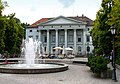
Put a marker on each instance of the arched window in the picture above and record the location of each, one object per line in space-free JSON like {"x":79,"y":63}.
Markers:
{"x":88,"y":38}
{"x":30,"y":30}
{"x":30,"y":36}
{"x":53,"y":49}
{"x":88,"y":49}
{"x":79,"y":48}
{"x":45,"y":49}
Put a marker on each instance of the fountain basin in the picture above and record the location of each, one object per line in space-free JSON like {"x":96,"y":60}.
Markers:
{"x":33,"y":69}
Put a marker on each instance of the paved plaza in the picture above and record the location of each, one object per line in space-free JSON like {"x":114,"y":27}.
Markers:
{"x":77,"y":74}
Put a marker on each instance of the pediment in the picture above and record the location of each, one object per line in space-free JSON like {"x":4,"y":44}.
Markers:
{"x":62,"y":20}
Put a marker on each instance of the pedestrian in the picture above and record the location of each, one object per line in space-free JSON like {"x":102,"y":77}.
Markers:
{"x":6,"y":61}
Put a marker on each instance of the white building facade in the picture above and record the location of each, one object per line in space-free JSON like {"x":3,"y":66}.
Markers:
{"x":62,"y":31}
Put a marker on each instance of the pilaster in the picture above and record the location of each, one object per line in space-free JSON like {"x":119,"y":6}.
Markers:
{"x":47,"y":41}
{"x":65,"y":38}
{"x":75,"y":41}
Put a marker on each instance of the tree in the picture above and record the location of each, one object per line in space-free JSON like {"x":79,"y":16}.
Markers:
{"x":2,"y":26}
{"x":2,"y":33}
{"x":107,"y":16}
{"x":11,"y":32}
{"x":24,"y":25}
{"x":14,"y":34}
{"x":100,"y":32}
{"x":2,"y":6}
{"x":114,"y":20}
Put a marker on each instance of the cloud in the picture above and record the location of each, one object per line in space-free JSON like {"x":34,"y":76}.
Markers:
{"x":66,"y":3}
{"x":33,"y":9}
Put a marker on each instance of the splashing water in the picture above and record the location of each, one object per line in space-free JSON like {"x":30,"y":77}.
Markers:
{"x":31,"y":50}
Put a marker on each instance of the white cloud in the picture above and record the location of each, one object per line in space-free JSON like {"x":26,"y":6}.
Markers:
{"x":67,"y":3}
{"x":32,"y":10}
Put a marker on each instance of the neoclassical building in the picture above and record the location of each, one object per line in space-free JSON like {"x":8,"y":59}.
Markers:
{"x":62,"y":31}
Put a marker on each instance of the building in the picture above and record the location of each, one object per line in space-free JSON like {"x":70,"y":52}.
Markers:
{"x":62,"y":31}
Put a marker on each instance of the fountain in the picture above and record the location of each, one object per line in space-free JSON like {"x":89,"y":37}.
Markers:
{"x":31,"y":51}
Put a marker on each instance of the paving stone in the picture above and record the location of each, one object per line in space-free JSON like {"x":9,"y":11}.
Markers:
{"x":77,"y":74}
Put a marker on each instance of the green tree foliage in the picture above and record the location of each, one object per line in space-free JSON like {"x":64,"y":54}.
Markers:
{"x":98,"y":64}
{"x":24,"y":25}
{"x":2,"y":27}
{"x":2,"y":6}
{"x":100,"y":32}
{"x":114,"y":20}
{"x":114,"y":16}
{"x":107,"y":16}
{"x":2,"y":33}
{"x":11,"y":32}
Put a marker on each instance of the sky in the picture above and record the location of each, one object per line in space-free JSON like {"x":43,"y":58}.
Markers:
{"x":32,"y":10}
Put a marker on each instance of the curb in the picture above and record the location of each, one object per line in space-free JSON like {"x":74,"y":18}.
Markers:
{"x":80,"y":62}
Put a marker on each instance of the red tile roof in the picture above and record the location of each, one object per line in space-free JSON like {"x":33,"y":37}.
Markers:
{"x":39,"y":21}
{"x":79,"y":18}
{"x":83,"y":18}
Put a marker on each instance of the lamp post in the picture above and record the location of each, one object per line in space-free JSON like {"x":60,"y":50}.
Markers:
{"x":113,"y":30}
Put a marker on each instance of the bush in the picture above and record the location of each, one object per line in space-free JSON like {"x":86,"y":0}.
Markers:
{"x":97,"y":64}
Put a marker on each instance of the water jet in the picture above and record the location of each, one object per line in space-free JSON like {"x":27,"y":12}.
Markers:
{"x":30,"y":51}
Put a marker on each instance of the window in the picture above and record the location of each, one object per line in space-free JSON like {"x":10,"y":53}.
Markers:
{"x":36,"y":37}
{"x":62,"y":38}
{"x":53,"y":49}
{"x":30,"y":30}
{"x":53,"y":38}
{"x":45,"y":38}
{"x":37,"y":30}
{"x":79,"y":39}
{"x":45,"y":49}
{"x":88,"y":49}
{"x":88,"y":38}
{"x":30,"y":36}
{"x":88,"y":29}
{"x":70,"y":38}
{"x":79,"y":48}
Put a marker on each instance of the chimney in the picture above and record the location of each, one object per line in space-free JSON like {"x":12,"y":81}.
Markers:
{"x":82,"y":15}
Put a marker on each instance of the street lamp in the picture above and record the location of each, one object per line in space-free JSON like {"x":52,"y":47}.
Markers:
{"x":113,"y":30}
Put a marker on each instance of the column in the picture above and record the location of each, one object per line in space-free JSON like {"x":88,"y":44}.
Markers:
{"x":39,"y":35}
{"x":75,"y":41}
{"x":65,"y":38}
{"x":56,"y":40}
{"x":84,"y":42}
{"x":47,"y":41}
{"x":56,"y":43}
